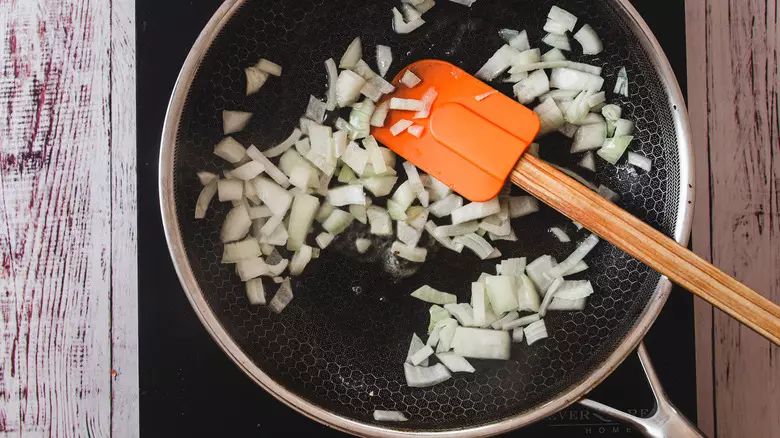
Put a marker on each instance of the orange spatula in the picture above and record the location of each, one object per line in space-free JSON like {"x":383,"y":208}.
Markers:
{"x":475,"y":145}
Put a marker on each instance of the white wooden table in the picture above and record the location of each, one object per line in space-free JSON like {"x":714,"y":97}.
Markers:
{"x":68,"y":272}
{"x":68,"y":268}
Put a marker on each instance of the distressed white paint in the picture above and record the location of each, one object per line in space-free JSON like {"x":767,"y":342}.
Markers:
{"x":67,"y":219}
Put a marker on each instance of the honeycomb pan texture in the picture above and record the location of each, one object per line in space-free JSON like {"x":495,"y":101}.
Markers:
{"x":342,"y":341}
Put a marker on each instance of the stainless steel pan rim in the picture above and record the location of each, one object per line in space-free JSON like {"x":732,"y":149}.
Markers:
{"x":220,"y":335}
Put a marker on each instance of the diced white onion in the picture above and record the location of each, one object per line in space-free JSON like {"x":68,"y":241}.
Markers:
{"x":272,"y":195}
{"x":400,"y":126}
{"x":428,"y":99}
{"x":589,"y":137}
{"x":567,"y":305}
{"x":550,"y":116}
{"x":230,"y":190}
{"x":430,"y":227}
{"x":640,"y":161}
{"x":621,"y":84}
{"x":535,"y":332}
{"x":614,"y":148}
{"x":205,"y":197}
{"x":589,"y":40}
{"x":247,"y":171}
{"x":506,"y":319}
{"x":274,"y":172}
{"x":348,"y":86}
{"x":408,"y":234}
{"x":623,"y":127}
{"x":550,"y":294}
{"x":300,"y":259}
{"x":389,"y":416}
{"x":337,"y":222}
{"x":379,"y":185}
{"x":255,"y":79}
{"x":574,"y":290}
{"x":410,"y":79}
{"x":269,"y":67}
{"x":243,"y":250}
{"x":462,"y":312}
{"x":498,"y":63}
{"x":554,"y":27}
{"x":380,"y":114}
{"x":527,"y":297}
{"x":475,"y":210}
{"x":577,"y":256}
{"x":416,"y":130}
{"x":521,"y":322}
{"x":379,"y":220}
{"x":362,"y":245}
{"x":560,"y":42}
{"x":455,"y":363}
{"x":234,"y":121}
{"x":236,"y":224}
{"x":588,"y":162}
{"x":346,"y":195}
{"x":532,"y":87}
{"x":352,"y":55}
{"x":402,"y":27}
{"x":537,"y":269}
{"x":564,"y":17}
{"x":384,"y":58}
{"x":553,"y":55}
{"x":502,"y":293}
{"x":570,"y":79}
{"x":424,"y":377}
{"x":282,"y":297}
{"x":446,"y":206}
{"x":316,"y":109}
{"x":517,"y":335}
{"x":252,"y":268}
{"x":560,"y":234}
{"x":408,"y":252}
{"x":458,"y":229}
{"x":304,"y":208}
{"x":520,"y":206}
{"x":255,"y":293}
{"x":283,"y":146}
{"x":481,"y":343}
{"x":433,"y":296}
{"x":476,"y":244}
{"x":230,"y":150}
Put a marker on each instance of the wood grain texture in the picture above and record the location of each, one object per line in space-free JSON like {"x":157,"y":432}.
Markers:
{"x":732,"y":47}
{"x":67,"y":218}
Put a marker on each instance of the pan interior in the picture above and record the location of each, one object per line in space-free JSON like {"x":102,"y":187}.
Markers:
{"x":342,"y":341}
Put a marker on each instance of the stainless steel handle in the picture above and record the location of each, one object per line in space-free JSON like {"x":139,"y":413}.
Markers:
{"x":666,"y":422}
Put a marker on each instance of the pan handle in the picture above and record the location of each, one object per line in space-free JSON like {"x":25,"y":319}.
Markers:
{"x":666,"y":422}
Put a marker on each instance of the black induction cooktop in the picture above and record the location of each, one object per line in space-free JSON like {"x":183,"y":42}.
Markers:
{"x":190,"y":388}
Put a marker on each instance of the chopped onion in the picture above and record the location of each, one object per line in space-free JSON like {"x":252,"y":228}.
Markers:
{"x":575,"y":290}
{"x":640,"y":161}
{"x":324,"y":239}
{"x":560,"y":234}
{"x":375,"y":155}
{"x":560,"y":42}
{"x":372,"y":92}
{"x":553,"y":55}
{"x":255,"y":293}
{"x":243,"y":250}
{"x":379,"y":220}
{"x":430,"y":227}
{"x":515,"y":77}
{"x":400,"y":126}
{"x":579,"y":267}
{"x":457,"y":230}
{"x":248,"y":171}
{"x":554,"y":27}
{"x":623,"y":127}
{"x":305,"y":123}
{"x":437,"y":314}
{"x":521,"y":322}
{"x":236,"y":225}
{"x":352,"y":55}
{"x":481,"y":344}
{"x":433,"y":296}
{"x":597,"y":99}
{"x":205,"y":197}
{"x":516,"y":40}
{"x":506,"y":319}
{"x":425,"y":6}
{"x":348,"y":86}
{"x":588,"y":162}
{"x":278,"y":236}
{"x":356,"y":158}
{"x":389,"y":416}
{"x":577,"y":256}
{"x":424,"y":377}
{"x":346,"y":195}
{"x":410,"y":13}
{"x":537,"y":269}
{"x":380,"y":114}
{"x":416,"y":130}
{"x":613,"y":148}
{"x":272,"y":195}
{"x":567,"y":305}
{"x":267,"y":249}
{"x":462,"y":312}
{"x":408,"y":252}
{"x":300,"y":259}
{"x":455,"y":363}
{"x":512,"y":267}
{"x":283,"y":146}
{"x":255,"y":79}
{"x":550,"y":115}
{"x":564,"y":17}
{"x":517,"y":335}
{"x":408,"y":234}
{"x":303,"y":147}
{"x":421,"y":355}
{"x":360,"y":119}
{"x":589,"y":137}
{"x":475,"y":210}
{"x":230,"y":150}
{"x":479,"y":303}
{"x":532,"y":87}
{"x":550,"y":294}
{"x":577,"y":110}
{"x":501,"y":290}
{"x":282,"y":297}
{"x":410,"y":79}
{"x":447,"y":334}
{"x":577,"y":66}
{"x":346,"y":175}
{"x":230,"y":190}
{"x":621,"y":84}
{"x":527,"y":297}
{"x":483,"y":96}
{"x":304,"y":208}
{"x":379,"y":185}
{"x":570,"y":79}
{"x":476,"y":244}
{"x":206,"y":177}
{"x":428,"y":99}
{"x":589,"y":40}
{"x":272,"y":171}
{"x":446,"y":206}
{"x":359,"y":212}
{"x":416,"y":183}
{"x":269,"y":67}
{"x":402,"y":27}
{"x":316,"y":109}
{"x":252,"y":268}
{"x":234,"y":121}
{"x":520,"y":206}
{"x":495,"y":225}
{"x":337,"y":222}
{"x":561,"y":96}
{"x":384,"y":58}
{"x":535,"y":332}
{"x":498,"y":63}
{"x":362,"y":245}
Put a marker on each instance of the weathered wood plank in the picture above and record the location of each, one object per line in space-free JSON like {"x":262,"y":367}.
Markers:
{"x":739,"y":83}
{"x":124,"y":257}
{"x":59,"y":202}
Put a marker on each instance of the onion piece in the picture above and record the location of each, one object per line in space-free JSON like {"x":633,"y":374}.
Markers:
{"x":506,"y":319}
{"x":554,"y":27}
{"x":346,"y":175}
{"x":352,"y":55}
{"x":515,"y":39}
{"x":475,"y":210}
{"x":476,"y":244}
{"x":532,"y":87}
{"x":324,"y":239}
{"x":408,"y":234}
{"x":285,"y":145}
{"x":230,"y":190}
{"x":607,"y":193}
{"x":282,"y":298}
{"x":205,"y":197}
{"x":577,"y":66}
{"x":537,"y":269}
{"x":389,"y":416}
{"x":497,"y":64}
{"x":356,"y":158}
{"x":230,"y":150}
{"x":252,"y":268}
{"x":481,"y":343}
{"x":550,"y":294}
{"x":521,"y":322}
{"x":269,"y":67}
{"x":520,"y":206}
{"x":272,"y":195}
{"x":575,"y":290}
{"x":433,"y":296}
{"x":614,"y":148}
{"x":415,"y":345}
{"x":560,"y":234}
{"x":274,"y":172}
{"x":416,"y":183}
{"x":550,"y":116}
{"x":455,"y":363}
{"x":589,"y":40}
{"x":424,"y":377}
{"x":517,"y":335}
{"x":255,"y":79}
{"x":421,"y":355}
{"x":402,"y":27}
{"x":564,"y":17}
{"x":530,"y":56}
{"x":380,"y":114}
{"x":446,"y":206}
{"x":236,"y":225}
{"x":430,"y":227}
{"x":553,"y":55}
{"x":425,"y":6}
{"x":362,"y":245}
{"x":527,"y":297}
{"x":437,"y":314}
{"x":384,"y":58}
{"x":248,"y":171}
{"x":304,"y":208}
{"x":567,"y":305}
{"x":346,"y":195}
{"x":300,"y":259}
{"x":457,"y":230}
{"x":379,"y":185}
{"x":337,"y":222}
{"x":535,"y":332}
{"x":447,"y":334}
{"x":406,"y":104}
{"x":589,"y":137}
{"x":348,"y":86}
{"x":410,"y":79}
{"x":502,"y":293}
{"x":243,"y":250}
{"x":428,"y":99}
{"x":379,"y":221}
{"x":408,"y":252}
{"x":400,"y":126}
{"x":577,"y":256}
{"x":462,"y":312}
{"x":316,"y":110}
{"x":234,"y":121}
{"x":479,"y":303}
{"x":623,"y":127}
{"x":588,"y":162}
{"x":570,"y":79}
{"x":579,"y":267}
{"x":206,"y":177}
{"x":640,"y":161}
{"x":359,"y":212}
{"x":255,"y":293}
{"x":360,"y":119}
{"x":560,"y":42}
{"x":621,"y":84}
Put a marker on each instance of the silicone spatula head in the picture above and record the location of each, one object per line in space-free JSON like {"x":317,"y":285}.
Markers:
{"x":471,"y":145}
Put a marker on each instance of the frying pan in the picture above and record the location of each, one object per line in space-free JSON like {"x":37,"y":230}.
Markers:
{"x":335,"y":354}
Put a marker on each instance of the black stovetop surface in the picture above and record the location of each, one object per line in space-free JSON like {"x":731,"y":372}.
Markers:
{"x":190,"y":388}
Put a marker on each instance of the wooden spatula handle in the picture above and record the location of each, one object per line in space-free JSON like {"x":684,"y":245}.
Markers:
{"x":649,"y":246}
